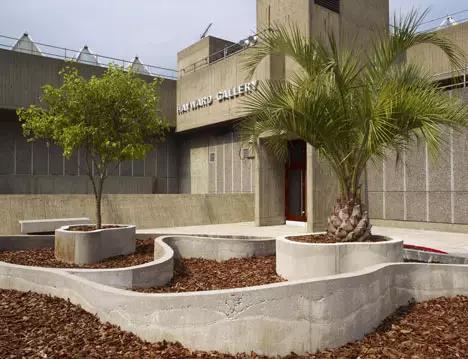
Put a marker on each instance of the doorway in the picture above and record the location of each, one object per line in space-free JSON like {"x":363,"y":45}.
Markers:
{"x":296,"y":188}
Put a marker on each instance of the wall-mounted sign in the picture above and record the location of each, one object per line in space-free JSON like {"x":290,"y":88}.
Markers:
{"x":221,"y":96}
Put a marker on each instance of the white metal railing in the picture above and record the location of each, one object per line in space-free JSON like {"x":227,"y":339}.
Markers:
{"x":63,"y":53}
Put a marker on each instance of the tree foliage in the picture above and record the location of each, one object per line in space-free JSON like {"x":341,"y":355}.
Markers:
{"x":352,"y":105}
{"x":112,"y":118}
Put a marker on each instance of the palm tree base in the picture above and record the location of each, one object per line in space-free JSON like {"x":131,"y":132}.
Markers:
{"x":349,"y":222}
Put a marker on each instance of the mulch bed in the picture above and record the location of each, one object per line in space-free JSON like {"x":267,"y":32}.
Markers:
{"x":196,"y":274}
{"x":39,"y":326}
{"x":45,"y":258}
{"x":326,"y":239}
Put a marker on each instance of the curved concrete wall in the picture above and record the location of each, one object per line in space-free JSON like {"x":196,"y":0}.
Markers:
{"x":218,"y":248}
{"x":296,"y":260}
{"x":300,"y":316}
{"x":160,"y":271}
{"x":94,"y":246}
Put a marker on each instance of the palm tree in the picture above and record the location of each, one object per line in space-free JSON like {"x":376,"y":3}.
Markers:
{"x":352,"y":105}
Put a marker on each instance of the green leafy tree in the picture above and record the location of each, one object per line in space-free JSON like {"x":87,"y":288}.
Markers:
{"x":112,"y":118}
{"x":352,"y":105}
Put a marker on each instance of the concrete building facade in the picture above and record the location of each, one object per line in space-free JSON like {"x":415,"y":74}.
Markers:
{"x":203,"y":154}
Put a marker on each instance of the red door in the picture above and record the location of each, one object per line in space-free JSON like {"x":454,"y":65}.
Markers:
{"x":296,"y":189}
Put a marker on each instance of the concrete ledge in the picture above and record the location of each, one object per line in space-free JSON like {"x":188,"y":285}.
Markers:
{"x":19,"y":243}
{"x":49,"y":225}
{"x":428,"y":257}
{"x":94,"y":246}
{"x":300,"y":316}
{"x":296,"y":260}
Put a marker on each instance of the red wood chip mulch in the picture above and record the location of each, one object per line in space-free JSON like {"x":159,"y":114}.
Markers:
{"x":45,"y":258}
{"x":197,"y":274}
{"x":39,"y":326}
{"x":326,"y":239}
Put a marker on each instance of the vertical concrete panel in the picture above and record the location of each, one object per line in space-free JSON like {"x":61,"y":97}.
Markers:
{"x":162,"y":160}
{"x":394,"y":209}
{"x":416,"y":206}
{"x":228,"y":161}
{"x":212,"y":165}
{"x":440,"y":207}
{"x":150,"y":164}
{"x":375,"y":176}
{"x":55,"y":160}
{"x":270,"y":194}
{"x":237,"y":165}
{"x":23,"y":154}
{"x":394,"y":174}
{"x":184,"y":167}
{"x":375,"y":205}
{"x":126,"y":168}
{"x":461,"y":208}
{"x":460,"y":160}
{"x":7,"y":148}
{"x":40,"y":160}
{"x":220,"y":164}
{"x":139,"y":168}
{"x":416,"y":169}
{"x":440,"y":170}
{"x":71,"y":165}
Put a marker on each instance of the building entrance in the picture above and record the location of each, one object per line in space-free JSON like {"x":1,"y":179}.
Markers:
{"x":296,"y":170}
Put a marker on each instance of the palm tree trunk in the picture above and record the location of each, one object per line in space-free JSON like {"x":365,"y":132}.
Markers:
{"x":349,"y":221}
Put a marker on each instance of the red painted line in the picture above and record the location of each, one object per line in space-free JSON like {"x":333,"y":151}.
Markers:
{"x":410,"y":246}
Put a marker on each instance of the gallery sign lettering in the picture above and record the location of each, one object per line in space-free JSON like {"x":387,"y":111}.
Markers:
{"x":221,"y":96}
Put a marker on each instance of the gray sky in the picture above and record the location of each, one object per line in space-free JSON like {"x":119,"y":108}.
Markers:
{"x":153,"y":29}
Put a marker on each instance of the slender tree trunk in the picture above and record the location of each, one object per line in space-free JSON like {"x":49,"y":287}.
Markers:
{"x":98,"y":212}
{"x":349,"y":221}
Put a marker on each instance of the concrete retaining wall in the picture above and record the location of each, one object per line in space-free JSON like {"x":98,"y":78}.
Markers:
{"x":145,"y":211}
{"x":296,"y":260}
{"x":429,"y":257}
{"x":300,"y":316}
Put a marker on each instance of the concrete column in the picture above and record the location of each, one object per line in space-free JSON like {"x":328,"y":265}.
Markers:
{"x":270,"y":189}
{"x":322,"y":191}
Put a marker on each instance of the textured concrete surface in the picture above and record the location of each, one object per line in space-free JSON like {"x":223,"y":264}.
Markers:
{"x":295,"y":261}
{"x":219,"y":248}
{"x":49,"y":225}
{"x":94,"y":246}
{"x":17,"y":243}
{"x":145,"y":211}
{"x":300,"y":316}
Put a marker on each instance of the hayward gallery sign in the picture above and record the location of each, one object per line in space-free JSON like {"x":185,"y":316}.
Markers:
{"x":225,"y":95}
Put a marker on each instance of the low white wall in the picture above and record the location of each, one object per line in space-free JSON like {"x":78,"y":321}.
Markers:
{"x":295,"y":260}
{"x":300,"y":316}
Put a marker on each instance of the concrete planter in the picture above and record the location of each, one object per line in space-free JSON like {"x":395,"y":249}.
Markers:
{"x":295,"y":261}
{"x":94,"y":246}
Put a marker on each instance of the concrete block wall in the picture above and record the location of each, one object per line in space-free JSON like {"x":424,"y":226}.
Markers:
{"x":224,"y":172}
{"x":420,"y":188}
{"x":34,"y":168}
